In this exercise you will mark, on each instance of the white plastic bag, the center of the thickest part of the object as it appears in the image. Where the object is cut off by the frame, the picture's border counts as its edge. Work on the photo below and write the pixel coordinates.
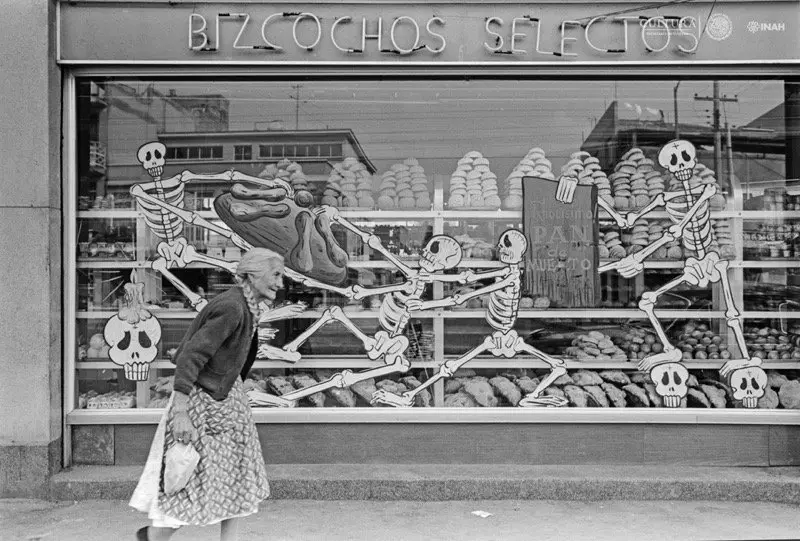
(180, 461)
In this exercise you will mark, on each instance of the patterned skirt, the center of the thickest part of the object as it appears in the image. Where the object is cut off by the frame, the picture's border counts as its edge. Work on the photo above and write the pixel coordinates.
(229, 481)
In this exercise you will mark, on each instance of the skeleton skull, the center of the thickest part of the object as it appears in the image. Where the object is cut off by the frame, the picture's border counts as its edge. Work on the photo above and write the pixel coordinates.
(670, 380)
(152, 157)
(441, 252)
(679, 157)
(512, 246)
(749, 384)
(133, 345)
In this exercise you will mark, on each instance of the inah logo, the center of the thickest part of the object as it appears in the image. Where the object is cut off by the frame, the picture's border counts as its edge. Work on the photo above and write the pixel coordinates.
(755, 26)
(719, 27)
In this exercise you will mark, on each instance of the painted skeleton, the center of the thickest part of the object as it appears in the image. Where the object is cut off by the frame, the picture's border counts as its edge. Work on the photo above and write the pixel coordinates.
(501, 315)
(688, 209)
(389, 343)
(162, 204)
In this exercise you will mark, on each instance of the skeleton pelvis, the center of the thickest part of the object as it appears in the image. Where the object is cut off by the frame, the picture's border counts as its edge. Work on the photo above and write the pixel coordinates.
(701, 272)
(305, 240)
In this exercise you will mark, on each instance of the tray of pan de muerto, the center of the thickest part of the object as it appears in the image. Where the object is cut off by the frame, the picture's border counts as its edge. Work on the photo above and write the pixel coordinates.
(269, 218)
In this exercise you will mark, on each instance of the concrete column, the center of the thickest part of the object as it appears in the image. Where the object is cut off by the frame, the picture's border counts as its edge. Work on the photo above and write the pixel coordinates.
(30, 250)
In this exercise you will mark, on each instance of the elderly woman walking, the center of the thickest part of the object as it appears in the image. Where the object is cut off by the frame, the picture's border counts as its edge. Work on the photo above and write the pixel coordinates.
(210, 410)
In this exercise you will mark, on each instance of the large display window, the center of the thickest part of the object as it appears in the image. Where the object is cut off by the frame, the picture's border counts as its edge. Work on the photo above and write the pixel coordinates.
(428, 260)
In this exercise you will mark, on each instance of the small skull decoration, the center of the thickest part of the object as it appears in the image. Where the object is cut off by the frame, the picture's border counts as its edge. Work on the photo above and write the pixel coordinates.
(133, 334)
(679, 157)
(152, 156)
(441, 252)
(748, 384)
(512, 246)
(670, 381)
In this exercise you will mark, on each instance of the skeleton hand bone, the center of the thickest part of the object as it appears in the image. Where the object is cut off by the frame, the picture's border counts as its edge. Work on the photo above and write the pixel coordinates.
(258, 398)
(287, 311)
(417, 305)
(671, 355)
(467, 277)
(266, 351)
(382, 396)
(383, 344)
(628, 266)
(331, 212)
(565, 191)
(737, 364)
(542, 401)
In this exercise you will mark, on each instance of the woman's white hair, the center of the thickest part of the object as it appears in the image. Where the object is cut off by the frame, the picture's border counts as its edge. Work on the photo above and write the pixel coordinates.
(256, 261)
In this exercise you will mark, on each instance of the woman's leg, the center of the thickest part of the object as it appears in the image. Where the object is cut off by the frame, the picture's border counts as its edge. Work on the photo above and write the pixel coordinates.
(160, 534)
(229, 530)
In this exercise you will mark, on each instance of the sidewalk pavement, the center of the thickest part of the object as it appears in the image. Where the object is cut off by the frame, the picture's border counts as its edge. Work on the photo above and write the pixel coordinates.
(354, 520)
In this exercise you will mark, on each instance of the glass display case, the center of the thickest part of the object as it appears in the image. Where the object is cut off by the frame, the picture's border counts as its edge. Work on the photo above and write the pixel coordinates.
(473, 196)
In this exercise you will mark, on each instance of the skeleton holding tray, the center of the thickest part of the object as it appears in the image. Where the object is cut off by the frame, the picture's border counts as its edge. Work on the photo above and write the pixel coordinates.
(689, 211)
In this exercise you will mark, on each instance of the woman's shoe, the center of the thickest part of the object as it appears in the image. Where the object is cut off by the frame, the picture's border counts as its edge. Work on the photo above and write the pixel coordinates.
(141, 534)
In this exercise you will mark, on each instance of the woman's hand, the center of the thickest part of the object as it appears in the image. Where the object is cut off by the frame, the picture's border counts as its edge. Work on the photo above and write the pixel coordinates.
(182, 428)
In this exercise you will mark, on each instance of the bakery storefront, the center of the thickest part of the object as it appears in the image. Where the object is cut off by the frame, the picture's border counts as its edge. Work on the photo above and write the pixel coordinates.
(532, 233)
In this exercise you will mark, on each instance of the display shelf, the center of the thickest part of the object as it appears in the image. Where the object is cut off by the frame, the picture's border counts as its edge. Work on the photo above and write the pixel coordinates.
(451, 214)
(753, 314)
(766, 264)
(683, 416)
(112, 214)
(524, 361)
(579, 313)
(354, 312)
(466, 263)
(306, 362)
(108, 365)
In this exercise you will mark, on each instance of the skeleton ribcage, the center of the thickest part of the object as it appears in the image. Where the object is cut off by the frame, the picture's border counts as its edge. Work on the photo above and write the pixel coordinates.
(503, 308)
(163, 223)
(697, 235)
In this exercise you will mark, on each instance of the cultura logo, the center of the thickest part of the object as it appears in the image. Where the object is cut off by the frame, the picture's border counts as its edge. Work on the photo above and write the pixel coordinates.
(753, 27)
(719, 27)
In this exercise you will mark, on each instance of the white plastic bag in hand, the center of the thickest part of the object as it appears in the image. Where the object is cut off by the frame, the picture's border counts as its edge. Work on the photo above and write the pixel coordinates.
(180, 461)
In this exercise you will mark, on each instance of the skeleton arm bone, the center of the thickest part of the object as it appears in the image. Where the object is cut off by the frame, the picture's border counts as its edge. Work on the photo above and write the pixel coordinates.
(310, 282)
(617, 217)
(461, 298)
(189, 217)
(188, 176)
(237, 176)
(470, 276)
(360, 292)
(658, 201)
(632, 264)
(367, 238)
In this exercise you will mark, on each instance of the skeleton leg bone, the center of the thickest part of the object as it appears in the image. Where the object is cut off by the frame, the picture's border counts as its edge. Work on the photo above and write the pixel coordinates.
(647, 304)
(446, 370)
(346, 378)
(333, 313)
(558, 369)
(734, 321)
(196, 300)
